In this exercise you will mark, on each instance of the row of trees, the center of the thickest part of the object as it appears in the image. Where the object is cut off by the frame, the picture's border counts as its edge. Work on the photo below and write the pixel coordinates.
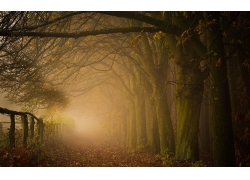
(156, 69)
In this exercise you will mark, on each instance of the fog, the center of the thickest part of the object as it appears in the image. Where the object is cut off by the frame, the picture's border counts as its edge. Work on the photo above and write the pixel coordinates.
(91, 114)
(4, 103)
(162, 82)
(86, 122)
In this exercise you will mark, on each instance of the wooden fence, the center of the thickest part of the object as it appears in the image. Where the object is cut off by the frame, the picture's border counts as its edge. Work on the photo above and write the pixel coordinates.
(28, 120)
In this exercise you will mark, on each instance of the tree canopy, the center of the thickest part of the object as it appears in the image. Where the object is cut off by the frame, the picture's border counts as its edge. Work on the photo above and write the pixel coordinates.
(139, 62)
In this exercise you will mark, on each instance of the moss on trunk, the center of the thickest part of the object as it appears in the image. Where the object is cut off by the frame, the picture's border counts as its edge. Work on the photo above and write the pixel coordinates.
(189, 91)
(166, 133)
(132, 127)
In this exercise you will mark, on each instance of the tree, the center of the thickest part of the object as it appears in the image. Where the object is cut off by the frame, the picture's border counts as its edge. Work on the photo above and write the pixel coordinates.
(179, 35)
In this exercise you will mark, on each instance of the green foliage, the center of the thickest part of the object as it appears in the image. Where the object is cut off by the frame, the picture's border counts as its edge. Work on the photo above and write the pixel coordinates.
(142, 148)
(167, 158)
(21, 156)
(198, 164)
(59, 118)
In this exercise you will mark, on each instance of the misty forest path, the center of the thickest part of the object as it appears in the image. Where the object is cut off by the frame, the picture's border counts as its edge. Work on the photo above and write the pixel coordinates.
(79, 153)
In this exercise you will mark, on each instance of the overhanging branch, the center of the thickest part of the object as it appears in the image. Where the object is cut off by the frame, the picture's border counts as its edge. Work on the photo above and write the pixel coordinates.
(81, 33)
(168, 27)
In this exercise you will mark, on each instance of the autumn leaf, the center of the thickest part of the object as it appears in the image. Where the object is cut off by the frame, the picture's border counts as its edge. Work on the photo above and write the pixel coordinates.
(160, 35)
(136, 40)
(245, 64)
(186, 35)
(185, 14)
(218, 63)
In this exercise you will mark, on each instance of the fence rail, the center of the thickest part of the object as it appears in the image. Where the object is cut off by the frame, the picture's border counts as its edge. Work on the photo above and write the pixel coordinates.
(25, 117)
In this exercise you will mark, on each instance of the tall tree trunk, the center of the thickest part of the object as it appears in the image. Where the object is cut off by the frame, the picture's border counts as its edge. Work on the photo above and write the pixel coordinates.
(165, 127)
(157, 75)
(153, 131)
(233, 73)
(189, 91)
(243, 60)
(232, 82)
(124, 130)
(223, 146)
(205, 125)
(140, 122)
(140, 118)
(245, 77)
(132, 126)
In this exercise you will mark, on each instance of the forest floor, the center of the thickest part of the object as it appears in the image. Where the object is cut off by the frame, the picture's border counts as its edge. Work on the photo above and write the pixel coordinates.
(85, 153)
(82, 153)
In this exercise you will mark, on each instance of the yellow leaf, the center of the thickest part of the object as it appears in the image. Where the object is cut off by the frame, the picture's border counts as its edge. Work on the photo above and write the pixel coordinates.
(218, 63)
(136, 40)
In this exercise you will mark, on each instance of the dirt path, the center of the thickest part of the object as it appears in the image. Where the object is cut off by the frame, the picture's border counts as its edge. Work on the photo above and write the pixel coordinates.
(82, 154)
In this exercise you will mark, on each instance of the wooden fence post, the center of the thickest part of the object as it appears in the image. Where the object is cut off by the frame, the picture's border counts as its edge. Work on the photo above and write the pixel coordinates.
(25, 129)
(25, 122)
(52, 129)
(57, 130)
(38, 128)
(1, 129)
(60, 130)
(12, 130)
(41, 130)
(32, 124)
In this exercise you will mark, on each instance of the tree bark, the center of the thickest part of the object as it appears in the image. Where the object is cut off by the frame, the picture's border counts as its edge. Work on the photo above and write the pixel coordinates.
(25, 130)
(223, 144)
(132, 127)
(189, 91)
(12, 130)
(153, 131)
(32, 125)
(157, 75)
(140, 122)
